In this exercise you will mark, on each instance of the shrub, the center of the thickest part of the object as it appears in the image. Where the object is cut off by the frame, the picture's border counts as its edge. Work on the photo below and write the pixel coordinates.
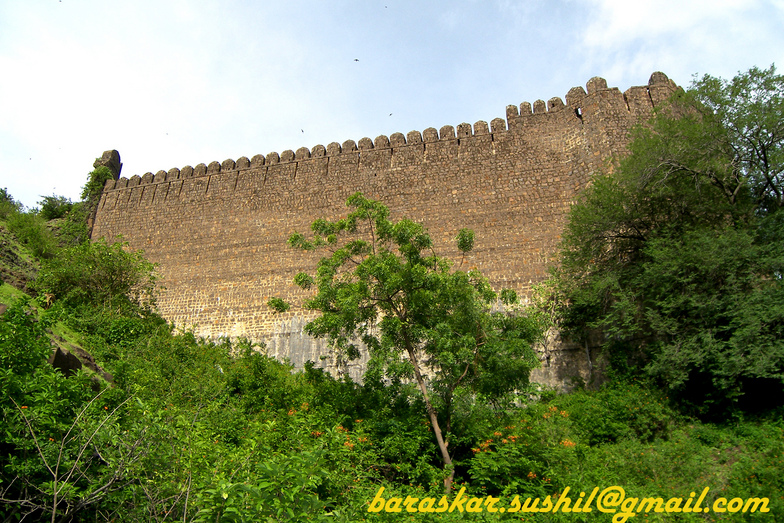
(54, 207)
(99, 273)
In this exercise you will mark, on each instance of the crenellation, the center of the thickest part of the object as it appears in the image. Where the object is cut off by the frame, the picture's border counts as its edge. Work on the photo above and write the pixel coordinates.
(660, 87)
(273, 158)
(430, 135)
(638, 100)
(613, 98)
(381, 142)
(318, 151)
(413, 138)
(555, 104)
(575, 97)
(498, 125)
(481, 128)
(287, 156)
(397, 140)
(219, 232)
(447, 132)
(596, 84)
(333, 149)
(303, 153)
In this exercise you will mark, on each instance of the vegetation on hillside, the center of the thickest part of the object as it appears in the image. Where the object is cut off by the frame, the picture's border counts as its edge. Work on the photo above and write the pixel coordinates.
(673, 259)
(676, 256)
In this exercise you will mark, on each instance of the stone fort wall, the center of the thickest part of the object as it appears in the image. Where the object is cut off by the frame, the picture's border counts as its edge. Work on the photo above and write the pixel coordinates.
(219, 231)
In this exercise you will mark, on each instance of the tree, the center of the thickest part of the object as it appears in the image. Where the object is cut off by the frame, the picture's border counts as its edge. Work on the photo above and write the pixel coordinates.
(676, 255)
(54, 207)
(385, 287)
(99, 274)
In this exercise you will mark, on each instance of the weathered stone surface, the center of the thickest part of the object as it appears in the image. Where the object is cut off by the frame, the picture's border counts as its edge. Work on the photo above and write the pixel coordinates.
(110, 159)
(220, 240)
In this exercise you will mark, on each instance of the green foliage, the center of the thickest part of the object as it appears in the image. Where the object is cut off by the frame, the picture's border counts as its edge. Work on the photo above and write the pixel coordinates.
(215, 430)
(387, 288)
(283, 490)
(72, 229)
(278, 304)
(96, 179)
(617, 412)
(49, 423)
(748, 114)
(676, 256)
(8, 205)
(465, 240)
(414, 300)
(97, 273)
(30, 229)
(54, 207)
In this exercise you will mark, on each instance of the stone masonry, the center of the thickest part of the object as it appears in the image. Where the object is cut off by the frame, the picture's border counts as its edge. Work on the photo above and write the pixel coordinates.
(219, 231)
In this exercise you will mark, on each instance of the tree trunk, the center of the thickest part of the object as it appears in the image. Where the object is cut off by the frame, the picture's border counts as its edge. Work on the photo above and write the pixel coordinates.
(431, 412)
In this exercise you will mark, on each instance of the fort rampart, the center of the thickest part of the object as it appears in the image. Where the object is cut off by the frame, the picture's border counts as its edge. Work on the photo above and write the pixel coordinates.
(219, 231)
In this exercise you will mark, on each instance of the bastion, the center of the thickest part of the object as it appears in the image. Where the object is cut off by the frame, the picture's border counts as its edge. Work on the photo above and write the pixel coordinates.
(218, 231)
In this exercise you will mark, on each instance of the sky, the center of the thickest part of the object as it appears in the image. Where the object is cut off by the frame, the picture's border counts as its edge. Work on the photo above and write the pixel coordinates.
(170, 83)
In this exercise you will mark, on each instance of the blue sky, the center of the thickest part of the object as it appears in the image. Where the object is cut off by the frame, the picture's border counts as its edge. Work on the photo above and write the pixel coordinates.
(170, 83)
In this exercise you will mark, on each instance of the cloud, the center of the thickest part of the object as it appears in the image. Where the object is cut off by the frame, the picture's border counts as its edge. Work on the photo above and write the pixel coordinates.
(718, 37)
(617, 22)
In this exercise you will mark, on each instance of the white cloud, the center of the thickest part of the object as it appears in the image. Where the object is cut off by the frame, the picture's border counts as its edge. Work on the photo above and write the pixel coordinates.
(721, 37)
(617, 22)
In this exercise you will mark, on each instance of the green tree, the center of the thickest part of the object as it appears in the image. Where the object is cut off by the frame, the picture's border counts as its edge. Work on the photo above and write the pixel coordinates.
(385, 287)
(54, 207)
(8, 205)
(96, 179)
(676, 255)
(99, 274)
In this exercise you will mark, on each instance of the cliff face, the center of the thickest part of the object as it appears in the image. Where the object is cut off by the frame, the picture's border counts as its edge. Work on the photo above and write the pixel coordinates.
(219, 231)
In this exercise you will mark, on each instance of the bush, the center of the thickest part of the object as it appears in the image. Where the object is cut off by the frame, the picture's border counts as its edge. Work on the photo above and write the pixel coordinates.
(54, 207)
(99, 274)
(91, 191)
(31, 230)
(7, 204)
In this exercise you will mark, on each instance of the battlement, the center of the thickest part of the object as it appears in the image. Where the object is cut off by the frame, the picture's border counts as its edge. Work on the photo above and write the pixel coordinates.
(218, 230)
(580, 105)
